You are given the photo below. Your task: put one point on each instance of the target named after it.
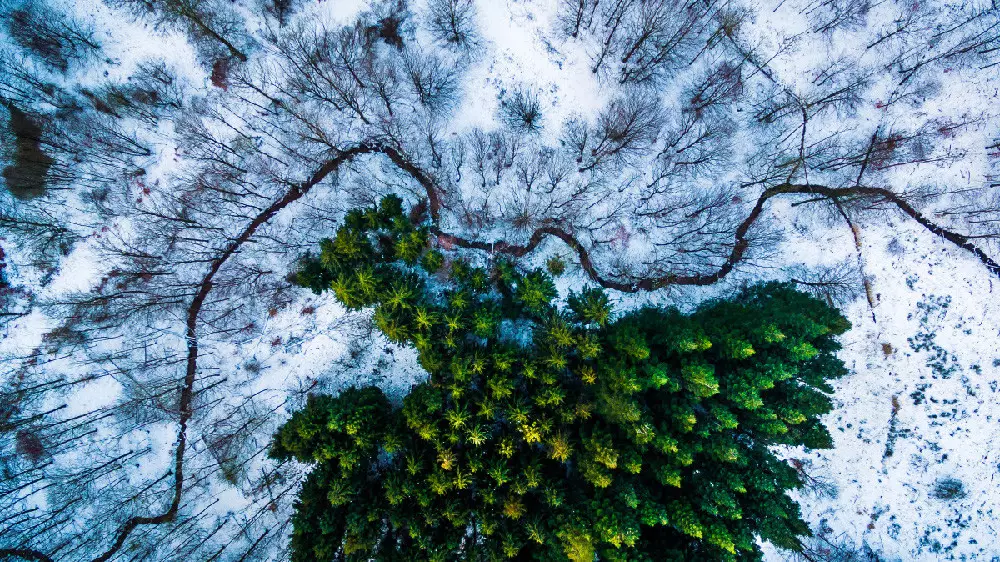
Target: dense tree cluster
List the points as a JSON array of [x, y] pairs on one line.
[[647, 142], [548, 432]]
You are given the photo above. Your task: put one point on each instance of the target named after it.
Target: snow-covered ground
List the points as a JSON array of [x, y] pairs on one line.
[[916, 452], [918, 408]]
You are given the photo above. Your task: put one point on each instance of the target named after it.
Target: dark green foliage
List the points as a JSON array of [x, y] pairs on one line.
[[432, 261], [556, 266], [535, 292], [591, 306], [550, 435], [25, 177]]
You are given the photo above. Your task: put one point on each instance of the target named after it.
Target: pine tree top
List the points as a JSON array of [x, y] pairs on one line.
[[551, 432]]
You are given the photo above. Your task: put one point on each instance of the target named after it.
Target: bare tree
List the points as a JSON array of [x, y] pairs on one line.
[[522, 110], [671, 184], [660, 36], [613, 19], [627, 126], [576, 15], [434, 81], [210, 23], [453, 21], [55, 38]]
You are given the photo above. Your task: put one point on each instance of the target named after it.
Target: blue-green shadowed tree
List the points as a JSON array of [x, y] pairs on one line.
[[555, 432]]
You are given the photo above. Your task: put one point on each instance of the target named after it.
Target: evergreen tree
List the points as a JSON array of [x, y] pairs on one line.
[[637, 438]]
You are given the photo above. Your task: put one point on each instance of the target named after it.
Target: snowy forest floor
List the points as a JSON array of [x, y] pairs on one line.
[[911, 476]]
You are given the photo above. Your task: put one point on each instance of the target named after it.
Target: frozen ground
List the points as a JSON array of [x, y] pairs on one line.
[[918, 408], [916, 450]]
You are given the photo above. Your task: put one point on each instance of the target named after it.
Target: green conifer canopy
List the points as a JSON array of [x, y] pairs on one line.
[[549, 432]]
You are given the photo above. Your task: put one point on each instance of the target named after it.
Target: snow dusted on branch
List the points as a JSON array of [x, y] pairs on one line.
[[166, 163]]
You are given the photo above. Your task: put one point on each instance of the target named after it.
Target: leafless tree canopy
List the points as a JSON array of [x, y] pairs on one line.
[[191, 194]]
